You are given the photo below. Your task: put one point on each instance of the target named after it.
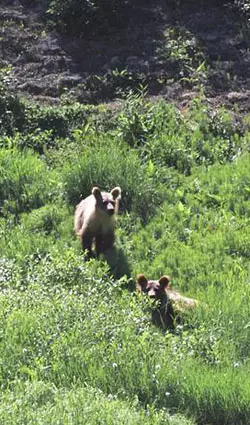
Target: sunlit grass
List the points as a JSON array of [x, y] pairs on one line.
[[78, 345]]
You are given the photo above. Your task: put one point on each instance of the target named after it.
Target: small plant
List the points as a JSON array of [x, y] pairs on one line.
[[114, 82], [11, 108], [184, 55]]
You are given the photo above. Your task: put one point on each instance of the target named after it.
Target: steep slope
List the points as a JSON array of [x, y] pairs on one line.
[[172, 50]]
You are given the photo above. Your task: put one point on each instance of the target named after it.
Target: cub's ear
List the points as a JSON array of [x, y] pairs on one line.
[[164, 281], [141, 281], [116, 192], [96, 192]]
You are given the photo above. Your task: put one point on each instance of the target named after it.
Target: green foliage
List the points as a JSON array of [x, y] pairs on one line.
[[41, 402], [38, 140], [45, 219], [11, 108], [169, 138], [25, 182], [29, 125], [184, 55], [136, 120], [59, 121], [68, 323], [71, 331], [114, 82], [112, 165]]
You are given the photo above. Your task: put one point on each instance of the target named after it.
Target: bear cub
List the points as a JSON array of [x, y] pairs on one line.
[[169, 303], [95, 220]]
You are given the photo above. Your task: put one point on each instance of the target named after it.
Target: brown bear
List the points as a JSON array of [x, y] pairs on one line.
[[95, 220], [171, 304]]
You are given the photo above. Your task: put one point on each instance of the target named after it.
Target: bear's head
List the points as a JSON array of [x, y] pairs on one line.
[[171, 305], [155, 289], [106, 201]]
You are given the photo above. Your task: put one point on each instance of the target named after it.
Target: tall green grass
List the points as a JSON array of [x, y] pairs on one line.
[[69, 330], [108, 165], [41, 403], [67, 323], [25, 182]]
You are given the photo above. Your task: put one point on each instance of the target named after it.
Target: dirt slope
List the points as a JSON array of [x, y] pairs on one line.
[[47, 64]]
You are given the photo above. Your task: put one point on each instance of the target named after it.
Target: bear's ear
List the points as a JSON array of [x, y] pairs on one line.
[[116, 192], [96, 192], [164, 281], [142, 281]]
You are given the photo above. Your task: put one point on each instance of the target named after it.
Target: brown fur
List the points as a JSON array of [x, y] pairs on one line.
[[95, 220], [170, 302]]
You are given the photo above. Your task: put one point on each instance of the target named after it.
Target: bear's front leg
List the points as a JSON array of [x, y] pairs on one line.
[[104, 242]]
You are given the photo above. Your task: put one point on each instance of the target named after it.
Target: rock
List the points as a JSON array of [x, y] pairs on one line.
[[136, 63]]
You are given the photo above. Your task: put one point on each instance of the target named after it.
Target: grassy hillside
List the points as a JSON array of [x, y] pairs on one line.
[[77, 345]]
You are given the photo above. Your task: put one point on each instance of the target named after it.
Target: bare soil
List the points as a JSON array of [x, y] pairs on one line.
[[47, 64]]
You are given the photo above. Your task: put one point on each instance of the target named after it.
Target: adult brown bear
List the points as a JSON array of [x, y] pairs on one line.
[[171, 304], [95, 220]]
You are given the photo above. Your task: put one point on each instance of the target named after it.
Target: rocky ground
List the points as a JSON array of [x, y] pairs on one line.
[[47, 64]]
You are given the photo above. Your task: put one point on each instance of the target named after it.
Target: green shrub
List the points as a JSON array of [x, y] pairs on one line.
[[81, 17], [39, 141], [114, 82], [169, 138], [12, 111], [45, 219], [9, 272], [108, 165], [184, 55], [25, 182], [59, 121]]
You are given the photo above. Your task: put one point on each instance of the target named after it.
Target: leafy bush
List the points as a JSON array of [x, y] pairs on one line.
[[114, 82], [45, 219], [25, 182], [88, 16], [169, 138], [11, 108], [38, 140], [185, 58], [9, 272], [109, 165], [135, 120], [59, 121], [17, 115]]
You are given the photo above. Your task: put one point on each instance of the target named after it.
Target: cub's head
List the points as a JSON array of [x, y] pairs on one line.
[[106, 201], [155, 289]]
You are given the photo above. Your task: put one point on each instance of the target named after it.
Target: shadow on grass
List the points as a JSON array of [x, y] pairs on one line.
[[119, 266]]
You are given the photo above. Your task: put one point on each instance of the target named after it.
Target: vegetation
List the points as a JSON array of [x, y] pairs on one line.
[[77, 345], [88, 16], [185, 209]]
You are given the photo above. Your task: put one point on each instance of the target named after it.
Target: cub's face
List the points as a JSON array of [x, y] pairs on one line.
[[155, 289], [106, 201]]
